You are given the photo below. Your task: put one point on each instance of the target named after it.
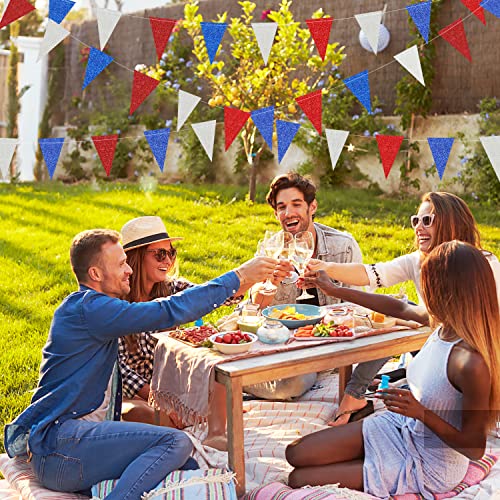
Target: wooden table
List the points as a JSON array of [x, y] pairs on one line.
[[236, 374]]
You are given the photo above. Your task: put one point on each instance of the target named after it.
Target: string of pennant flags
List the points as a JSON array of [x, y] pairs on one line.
[[234, 118]]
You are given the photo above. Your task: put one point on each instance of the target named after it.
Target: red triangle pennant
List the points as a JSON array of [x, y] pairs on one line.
[[454, 34], [320, 31], [161, 28], [388, 146], [475, 7], [311, 105], [143, 86], [234, 119], [15, 10], [105, 146]]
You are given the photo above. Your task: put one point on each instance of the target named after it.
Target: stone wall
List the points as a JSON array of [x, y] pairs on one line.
[[458, 86]]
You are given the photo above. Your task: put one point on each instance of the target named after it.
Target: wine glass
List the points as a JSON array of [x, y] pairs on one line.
[[304, 249], [287, 253], [272, 245]]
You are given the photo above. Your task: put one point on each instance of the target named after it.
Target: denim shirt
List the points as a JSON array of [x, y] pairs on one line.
[[82, 348], [332, 246]]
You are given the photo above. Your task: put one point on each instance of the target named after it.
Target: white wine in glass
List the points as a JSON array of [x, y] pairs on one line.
[[287, 254], [272, 247], [304, 249]]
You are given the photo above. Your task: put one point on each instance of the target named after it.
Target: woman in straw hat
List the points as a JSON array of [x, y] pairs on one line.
[[152, 257]]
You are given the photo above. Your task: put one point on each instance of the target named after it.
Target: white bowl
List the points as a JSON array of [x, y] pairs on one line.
[[233, 348]]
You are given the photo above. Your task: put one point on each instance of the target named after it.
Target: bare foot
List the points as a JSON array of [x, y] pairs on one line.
[[217, 442], [348, 405]]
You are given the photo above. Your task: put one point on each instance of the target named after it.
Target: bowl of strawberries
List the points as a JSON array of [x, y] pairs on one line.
[[234, 342]]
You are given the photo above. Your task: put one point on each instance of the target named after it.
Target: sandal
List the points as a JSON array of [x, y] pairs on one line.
[[356, 415]]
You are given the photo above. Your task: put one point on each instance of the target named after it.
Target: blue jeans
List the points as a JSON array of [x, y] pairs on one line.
[[362, 377], [139, 455]]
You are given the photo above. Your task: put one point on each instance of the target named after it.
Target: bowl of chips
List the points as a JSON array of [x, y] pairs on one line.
[[294, 315]]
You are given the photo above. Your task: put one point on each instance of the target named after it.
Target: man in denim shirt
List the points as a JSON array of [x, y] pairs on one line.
[[66, 431]]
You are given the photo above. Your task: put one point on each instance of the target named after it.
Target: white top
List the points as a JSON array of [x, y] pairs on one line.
[[407, 267], [99, 415]]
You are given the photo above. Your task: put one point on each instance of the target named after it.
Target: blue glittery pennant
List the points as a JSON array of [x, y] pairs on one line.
[[213, 33], [492, 6], [440, 149], [58, 9], [98, 62], [359, 85], [286, 131], [51, 150], [264, 121], [158, 142], [421, 16]]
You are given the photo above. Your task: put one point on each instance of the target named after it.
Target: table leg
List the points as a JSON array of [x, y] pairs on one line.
[[345, 373], [235, 437]]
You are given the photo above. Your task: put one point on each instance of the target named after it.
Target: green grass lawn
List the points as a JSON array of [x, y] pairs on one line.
[[219, 228]]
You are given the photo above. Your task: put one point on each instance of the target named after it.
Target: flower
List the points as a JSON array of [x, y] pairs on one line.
[[168, 123], [366, 133], [140, 67], [377, 110], [355, 117], [264, 14]]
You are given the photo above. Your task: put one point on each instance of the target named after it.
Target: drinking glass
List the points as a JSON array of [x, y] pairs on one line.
[[287, 253], [272, 245], [304, 249]]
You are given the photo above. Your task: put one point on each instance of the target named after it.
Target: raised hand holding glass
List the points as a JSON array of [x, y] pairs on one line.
[[304, 249]]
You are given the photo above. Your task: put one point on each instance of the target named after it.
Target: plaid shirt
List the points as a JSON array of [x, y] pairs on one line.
[[137, 368]]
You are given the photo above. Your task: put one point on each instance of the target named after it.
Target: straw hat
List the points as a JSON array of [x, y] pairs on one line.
[[144, 231]]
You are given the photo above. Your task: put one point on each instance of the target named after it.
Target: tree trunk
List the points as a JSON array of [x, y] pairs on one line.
[[252, 183]]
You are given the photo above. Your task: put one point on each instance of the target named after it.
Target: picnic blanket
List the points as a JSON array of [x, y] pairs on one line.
[[183, 376]]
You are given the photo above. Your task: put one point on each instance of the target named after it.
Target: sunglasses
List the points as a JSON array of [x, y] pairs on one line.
[[161, 254], [427, 220]]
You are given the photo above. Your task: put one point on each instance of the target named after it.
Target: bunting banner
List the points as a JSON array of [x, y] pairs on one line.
[[15, 9], [454, 34], [234, 119], [54, 35], [336, 140], [97, 62], [388, 147], [285, 131], [359, 85], [420, 14], [7, 148], [106, 24], [142, 86], [205, 131], [187, 103], [475, 7], [312, 105], [265, 33], [161, 29], [213, 33], [492, 6], [158, 142], [51, 150], [105, 146], [491, 145], [264, 121], [58, 9], [370, 25], [440, 149], [320, 32], [410, 60]]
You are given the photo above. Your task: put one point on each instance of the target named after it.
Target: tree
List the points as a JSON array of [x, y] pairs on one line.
[[239, 78]]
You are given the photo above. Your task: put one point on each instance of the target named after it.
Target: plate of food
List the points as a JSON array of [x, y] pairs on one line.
[[194, 336], [323, 331], [379, 320], [294, 315]]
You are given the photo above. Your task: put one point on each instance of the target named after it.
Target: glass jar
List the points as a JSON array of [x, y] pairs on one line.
[[273, 332]]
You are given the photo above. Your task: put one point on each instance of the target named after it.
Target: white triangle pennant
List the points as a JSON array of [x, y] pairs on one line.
[[205, 131], [187, 103], [410, 60], [7, 148], [106, 23], [370, 24], [336, 140], [264, 33], [491, 145], [54, 34]]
